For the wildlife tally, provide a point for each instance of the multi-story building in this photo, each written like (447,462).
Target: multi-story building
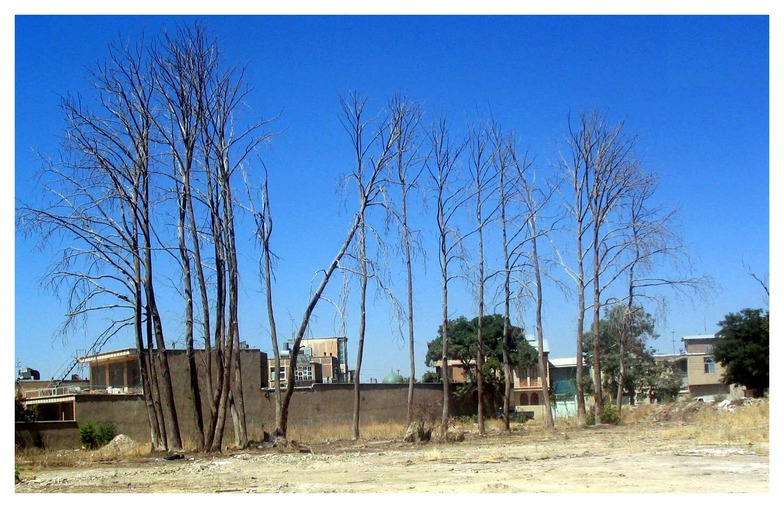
(320,360)
(704,375)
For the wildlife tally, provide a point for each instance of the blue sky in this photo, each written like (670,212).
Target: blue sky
(695,90)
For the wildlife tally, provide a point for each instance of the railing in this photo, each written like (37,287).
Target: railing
(75,390)
(50,392)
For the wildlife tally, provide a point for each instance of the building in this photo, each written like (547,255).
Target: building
(116,374)
(527,382)
(320,360)
(703,374)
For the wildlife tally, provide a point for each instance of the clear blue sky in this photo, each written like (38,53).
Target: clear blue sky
(694,88)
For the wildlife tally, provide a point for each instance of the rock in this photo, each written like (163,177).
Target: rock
(120,444)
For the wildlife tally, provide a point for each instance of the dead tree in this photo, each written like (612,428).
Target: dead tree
(483,177)
(101,203)
(179,75)
(450,199)
(655,262)
(373,145)
(534,200)
(405,173)
(369,182)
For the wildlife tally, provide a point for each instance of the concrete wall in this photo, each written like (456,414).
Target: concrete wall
(52,435)
(331,404)
(323,404)
(696,371)
(254,376)
(128,413)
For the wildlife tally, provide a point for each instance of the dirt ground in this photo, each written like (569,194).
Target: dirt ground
(629,458)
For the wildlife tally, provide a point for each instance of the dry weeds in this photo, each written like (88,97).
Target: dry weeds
(700,423)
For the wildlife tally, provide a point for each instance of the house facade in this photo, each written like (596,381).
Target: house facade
(703,373)
(320,360)
(527,382)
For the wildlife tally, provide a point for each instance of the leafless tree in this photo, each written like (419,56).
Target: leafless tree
(483,177)
(180,72)
(654,259)
(368,176)
(102,205)
(264,228)
(534,199)
(406,171)
(450,199)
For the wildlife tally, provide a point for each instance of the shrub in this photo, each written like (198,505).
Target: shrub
(94,436)
(23,414)
(590,416)
(423,418)
(87,435)
(104,433)
(610,414)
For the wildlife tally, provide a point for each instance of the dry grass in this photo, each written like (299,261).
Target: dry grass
(710,425)
(345,431)
(702,425)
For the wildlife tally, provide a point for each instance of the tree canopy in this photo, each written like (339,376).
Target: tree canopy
(642,371)
(742,348)
(463,346)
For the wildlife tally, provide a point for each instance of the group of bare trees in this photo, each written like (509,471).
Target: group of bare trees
(149,183)
(143,192)
(620,231)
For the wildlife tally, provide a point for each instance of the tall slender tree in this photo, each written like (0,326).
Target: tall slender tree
(449,200)
(407,169)
(483,178)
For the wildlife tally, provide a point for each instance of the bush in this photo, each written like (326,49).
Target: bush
(610,414)
(590,416)
(94,436)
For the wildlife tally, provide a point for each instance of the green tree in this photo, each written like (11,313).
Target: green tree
(641,369)
(742,348)
(463,343)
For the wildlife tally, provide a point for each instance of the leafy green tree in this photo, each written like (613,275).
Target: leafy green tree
(641,368)
(742,348)
(463,343)
(22,413)
(431,377)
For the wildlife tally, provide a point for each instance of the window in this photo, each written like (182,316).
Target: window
(117,375)
(708,348)
(710,366)
(304,373)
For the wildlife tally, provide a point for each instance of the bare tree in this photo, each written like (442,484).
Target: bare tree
(406,157)
(178,76)
(483,178)
(368,176)
(226,151)
(264,228)
(102,203)
(655,260)
(503,165)
(450,199)
(534,200)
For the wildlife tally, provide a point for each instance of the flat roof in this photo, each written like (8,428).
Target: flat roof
(564,362)
(107,356)
(699,337)
(49,400)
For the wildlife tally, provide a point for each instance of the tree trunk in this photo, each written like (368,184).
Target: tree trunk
(597,362)
(410,298)
(480,339)
(544,369)
(444,352)
(363,282)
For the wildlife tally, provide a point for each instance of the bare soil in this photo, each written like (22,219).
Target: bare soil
(627,458)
